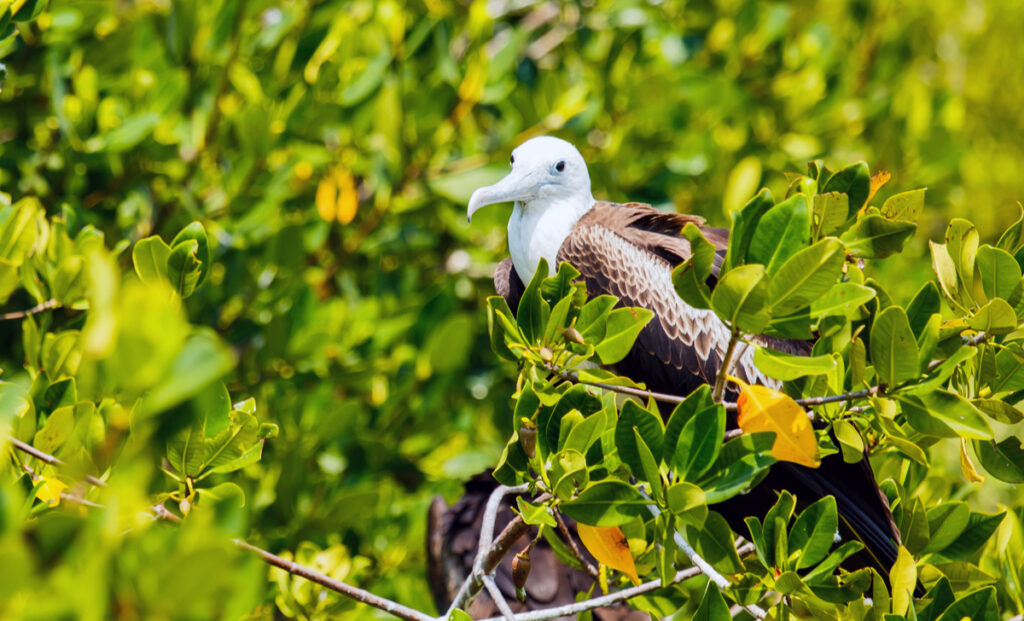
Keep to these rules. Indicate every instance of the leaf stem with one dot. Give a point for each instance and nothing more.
(723, 369)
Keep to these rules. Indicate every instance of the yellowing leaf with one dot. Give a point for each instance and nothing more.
(879, 179)
(50, 491)
(326, 195)
(348, 197)
(967, 466)
(337, 197)
(763, 409)
(609, 547)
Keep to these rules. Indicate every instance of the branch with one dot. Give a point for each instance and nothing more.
(723, 370)
(49, 459)
(705, 568)
(38, 308)
(611, 598)
(488, 556)
(394, 608)
(590, 569)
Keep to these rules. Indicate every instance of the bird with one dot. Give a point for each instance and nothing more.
(629, 250)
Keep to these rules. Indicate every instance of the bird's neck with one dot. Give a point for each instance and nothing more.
(538, 229)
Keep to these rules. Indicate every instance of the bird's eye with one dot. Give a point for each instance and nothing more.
(511, 160)
(560, 166)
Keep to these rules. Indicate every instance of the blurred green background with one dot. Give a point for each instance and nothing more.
(329, 148)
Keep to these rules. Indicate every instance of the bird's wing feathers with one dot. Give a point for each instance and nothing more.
(629, 251)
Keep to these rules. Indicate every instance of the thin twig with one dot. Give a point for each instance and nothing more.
(611, 598)
(38, 308)
(487, 557)
(360, 595)
(49, 459)
(499, 598)
(721, 581)
(590, 569)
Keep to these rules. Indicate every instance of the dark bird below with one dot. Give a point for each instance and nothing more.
(629, 251)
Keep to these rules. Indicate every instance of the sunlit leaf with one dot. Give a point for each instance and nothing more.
(609, 547)
(764, 409)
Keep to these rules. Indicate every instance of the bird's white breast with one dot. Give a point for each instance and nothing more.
(536, 231)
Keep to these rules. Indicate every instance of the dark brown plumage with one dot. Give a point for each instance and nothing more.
(629, 251)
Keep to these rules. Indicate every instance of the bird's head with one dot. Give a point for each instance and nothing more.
(545, 171)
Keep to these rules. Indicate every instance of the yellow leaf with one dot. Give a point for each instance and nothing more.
(763, 409)
(326, 195)
(50, 491)
(879, 179)
(609, 547)
(903, 577)
(967, 466)
(348, 197)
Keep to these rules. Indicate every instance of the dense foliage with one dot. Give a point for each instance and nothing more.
(238, 214)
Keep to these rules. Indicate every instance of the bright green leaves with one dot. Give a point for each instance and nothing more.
(806, 276)
(782, 231)
(623, 326)
(184, 263)
(893, 347)
(741, 298)
(875, 237)
(803, 545)
(606, 503)
(689, 278)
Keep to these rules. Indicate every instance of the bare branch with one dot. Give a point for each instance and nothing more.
(723, 370)
(49, 459)
(360, 595)
(486, 556)
(38, 308)
(499, 599)
(756, 611)
(590, 569)
(611, 598)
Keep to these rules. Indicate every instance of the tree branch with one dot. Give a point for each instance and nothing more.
(723, 370)
(360, 595)
(38, 308)
(611, 598)
(49, 459)
(488, 557)
(590, 569)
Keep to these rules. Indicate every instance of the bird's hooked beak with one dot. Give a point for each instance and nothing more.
(518, 185)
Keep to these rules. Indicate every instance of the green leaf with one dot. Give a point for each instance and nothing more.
(606, 503)
(744, 224)
(962, 244)
(714, 542)
(584, 434)
(806, 276)
(1000, 274)
(850, 441)
(687, 502)
(697, 400)
(56, 431)
(945, 269)
(874, 237)
(1013, 237)
(150, 257)
(926, 303)
(30, 10)
(903, 578)
(624, 325)
(843, 298)
(61, 354)
(828, 213)
(741, 299)
(569, 473)
(649, 426)
(203, 359)
(783, 231)
(944, 414)
(699, 443)
(649, 471)
(774, 527)
(1004, 460)
(996, 317)
(853, 180)
(980, 527)
(904, 206)
(979, 605)
(786, 367)
(712, 606)
(184, 268)
(549, 422)
(828, 566)
(533, 312)
(689, 278)
(893, 347)
(535, 514)
(999, 410)
(501, 326)
(813, 531)
(18, 232)
(739, 461)
(593, 319)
